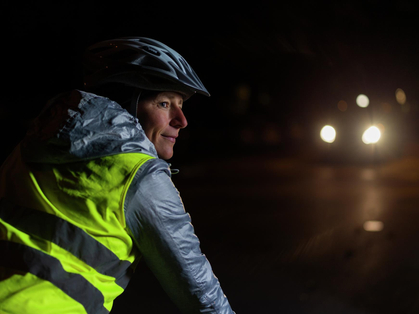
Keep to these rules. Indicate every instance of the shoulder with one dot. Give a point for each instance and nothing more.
(152, 180)
(154, 167)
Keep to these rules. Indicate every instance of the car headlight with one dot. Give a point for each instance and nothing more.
(328, 134)
(371, 135)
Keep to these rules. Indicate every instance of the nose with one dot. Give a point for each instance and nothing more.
(178, 118)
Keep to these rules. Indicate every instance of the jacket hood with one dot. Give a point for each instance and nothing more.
(78, 126)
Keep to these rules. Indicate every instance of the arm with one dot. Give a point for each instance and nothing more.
(163, 232)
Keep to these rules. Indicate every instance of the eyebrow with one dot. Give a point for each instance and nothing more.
(171, 97)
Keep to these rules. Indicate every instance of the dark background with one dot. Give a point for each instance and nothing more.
(276, 72)
(273, 68)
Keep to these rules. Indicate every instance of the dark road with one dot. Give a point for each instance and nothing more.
(291, 236)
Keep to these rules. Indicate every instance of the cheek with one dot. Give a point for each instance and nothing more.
(153, 125)
(159, 122)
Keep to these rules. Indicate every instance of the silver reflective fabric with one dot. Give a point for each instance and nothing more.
(79, 126)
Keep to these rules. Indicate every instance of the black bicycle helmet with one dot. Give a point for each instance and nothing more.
(142, 63)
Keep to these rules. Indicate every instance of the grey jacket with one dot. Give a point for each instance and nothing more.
(80, 126)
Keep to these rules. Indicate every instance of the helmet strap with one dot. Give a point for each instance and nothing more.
(134, 102)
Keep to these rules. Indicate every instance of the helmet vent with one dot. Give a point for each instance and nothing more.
(151, 50)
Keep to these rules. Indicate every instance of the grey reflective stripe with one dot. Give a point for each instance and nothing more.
(27, 259)
(71, 238)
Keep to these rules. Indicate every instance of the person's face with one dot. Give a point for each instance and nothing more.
(161, 117)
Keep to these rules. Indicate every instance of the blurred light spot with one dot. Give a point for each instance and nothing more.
(362, 101)
(342, 105)
(271, 135)
(242, 103)
(325, 173)
(328, 134)
(371, 135)
(386, 107)
(381, 127)
(400, 96)
(373, 225)
(368, 174)
(243, 92)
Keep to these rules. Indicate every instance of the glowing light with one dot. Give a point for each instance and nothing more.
(371, 135)
(362, 101)
(400, 96)
(328, 134)
(373, 225)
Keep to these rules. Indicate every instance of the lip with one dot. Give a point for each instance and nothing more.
(170, 138)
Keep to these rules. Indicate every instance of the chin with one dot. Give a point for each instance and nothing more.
(165, 155)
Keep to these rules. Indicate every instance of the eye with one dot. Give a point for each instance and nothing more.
(164, 104)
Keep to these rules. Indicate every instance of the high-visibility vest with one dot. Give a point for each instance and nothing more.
(64, 245)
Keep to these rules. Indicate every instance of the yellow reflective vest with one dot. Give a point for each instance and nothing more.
(62, 228)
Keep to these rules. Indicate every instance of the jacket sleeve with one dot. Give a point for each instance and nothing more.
(163, 233)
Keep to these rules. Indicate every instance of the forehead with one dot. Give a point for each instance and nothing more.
(170, 95)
